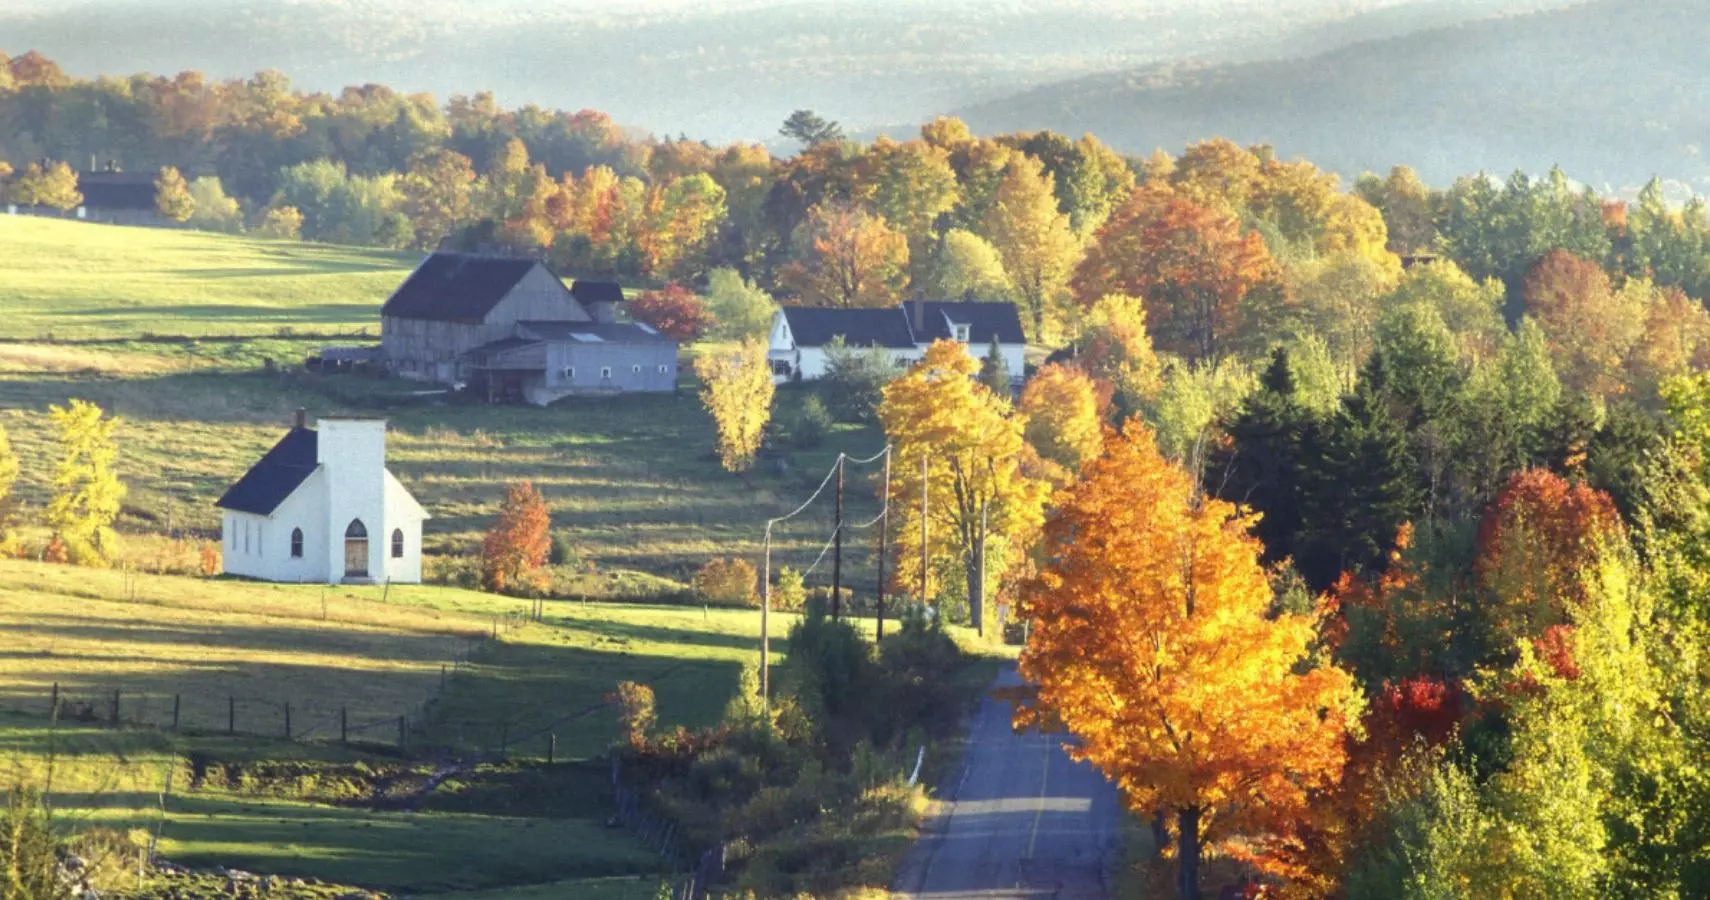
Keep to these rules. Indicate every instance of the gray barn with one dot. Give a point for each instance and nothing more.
(510, 328)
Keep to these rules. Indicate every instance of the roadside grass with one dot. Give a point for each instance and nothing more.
(77, 280)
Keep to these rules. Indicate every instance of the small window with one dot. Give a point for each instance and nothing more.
(605, 371)
(397, 543)
(296, 543)
(246, 537)
(635, 370)
(569, 372)
(664, 369)
(962, 333)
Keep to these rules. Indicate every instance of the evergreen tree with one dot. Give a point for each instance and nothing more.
(994, 371)
(1361, 491)
(1266, 460)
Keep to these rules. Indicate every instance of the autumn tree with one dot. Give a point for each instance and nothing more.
(1208, 283)
(682, 216)
(848, 258)
(1339, 296)
(1153, 641)
(518, 542)
(737, 390)
(54, 186)
(1674, 341)
(87, 493)
(1036, 244)
(674, 310)
(281, 222)
(1115, 349)
(910, 185)
(172, 196)
(636, 710)
(1589, 324)
(438, 190)
(1063, 423)
(739, 308)
(980, 507)
(1472, 311)
(211, 208)
(966, 266)
(1536, 538)
(8, 479)
(1405, 202)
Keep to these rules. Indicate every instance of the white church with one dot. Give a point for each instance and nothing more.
(322, 507)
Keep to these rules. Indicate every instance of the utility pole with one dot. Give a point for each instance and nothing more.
(765, 632)
(837, 548)
(923, 528)
(884, 540)
(979, 599)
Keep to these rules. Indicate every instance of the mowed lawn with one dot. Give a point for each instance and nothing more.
(69, 279)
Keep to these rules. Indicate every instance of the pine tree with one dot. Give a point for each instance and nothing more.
(1359, 494)
(994, 371)
(1267, 457)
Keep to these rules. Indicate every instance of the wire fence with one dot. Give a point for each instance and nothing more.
(203, 711)
(699, 872)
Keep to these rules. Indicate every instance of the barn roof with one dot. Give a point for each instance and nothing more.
(595, 332)
(587, 292)
(456, 287)
(117, 190)
(815, 327)
(985, 321)
(275, 476)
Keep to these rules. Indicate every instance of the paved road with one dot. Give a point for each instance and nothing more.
(1023, 821)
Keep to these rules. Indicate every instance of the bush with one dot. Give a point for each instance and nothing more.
(728, 582)
(790, 593)
(830, 664)
(636, 712)
(854, 381)
(29, 850)
(211, 562)
(563, 553)
(810, 424)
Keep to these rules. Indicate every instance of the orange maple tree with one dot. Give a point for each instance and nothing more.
(1154, 644)
(1063, 423)
(674, 310)
(1200, 271)
(517, 543)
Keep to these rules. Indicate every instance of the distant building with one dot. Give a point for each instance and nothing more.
(801, 334)
(120, 198)
(509, 328)
(321, 507)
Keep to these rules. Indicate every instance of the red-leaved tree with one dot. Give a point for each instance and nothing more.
(674, 310)
(517, 543)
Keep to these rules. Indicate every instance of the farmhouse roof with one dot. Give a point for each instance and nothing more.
(117, 190)
(984, 321)
(587, 292)
(816, 326)
(594, 332)
(275, 476)
(456, 287)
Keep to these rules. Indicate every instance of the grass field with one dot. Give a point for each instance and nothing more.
(76, 280)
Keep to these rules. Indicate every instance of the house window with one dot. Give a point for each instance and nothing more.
(664, 369)
(635, 370)
(397, 543)
(779, 367)
(962, 333)
(296, 543)
(606, 372)
(355, 550)
(245, 537)
(569, 373)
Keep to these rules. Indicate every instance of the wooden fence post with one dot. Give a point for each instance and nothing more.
(343, 725)
(287, 720)
(551, 747)
(231, 714)
(400, 732)
(54, 707)
(177, 700)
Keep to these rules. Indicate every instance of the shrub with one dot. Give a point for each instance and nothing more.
(854, 381)
(563, 553)
(829, 665)
(211, 562)
(727, 582)
(637, 713)
(810, 425)
(283, 222)
(29, 850)
(790, 593)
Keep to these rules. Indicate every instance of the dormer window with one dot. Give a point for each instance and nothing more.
(962, 333)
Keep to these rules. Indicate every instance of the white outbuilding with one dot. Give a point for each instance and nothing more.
(321, 507)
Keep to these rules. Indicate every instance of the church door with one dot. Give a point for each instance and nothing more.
(356, 550)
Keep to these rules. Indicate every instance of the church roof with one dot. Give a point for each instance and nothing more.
(275, 476)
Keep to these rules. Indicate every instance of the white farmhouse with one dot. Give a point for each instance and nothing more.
(321, 507)
(800, 334)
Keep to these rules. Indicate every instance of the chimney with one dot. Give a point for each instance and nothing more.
(302, 417)
(919, 313)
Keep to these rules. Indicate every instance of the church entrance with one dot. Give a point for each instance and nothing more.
(356, 550)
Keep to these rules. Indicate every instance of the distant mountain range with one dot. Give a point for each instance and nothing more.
(715, 69)
(1615, 91)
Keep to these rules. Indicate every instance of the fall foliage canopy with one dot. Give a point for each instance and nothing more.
(737, 390)
(518, 542)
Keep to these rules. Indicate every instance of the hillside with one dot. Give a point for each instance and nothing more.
(1610, 90)
(721, 70)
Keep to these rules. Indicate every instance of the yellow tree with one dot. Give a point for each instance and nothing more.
(980, 509)
(8, 478)
(172, 196)
(1038, 247)
(1063, 422)
(737, 389)
(849, 258)
(1153, 642)
(86, 491)
(1115, 349)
